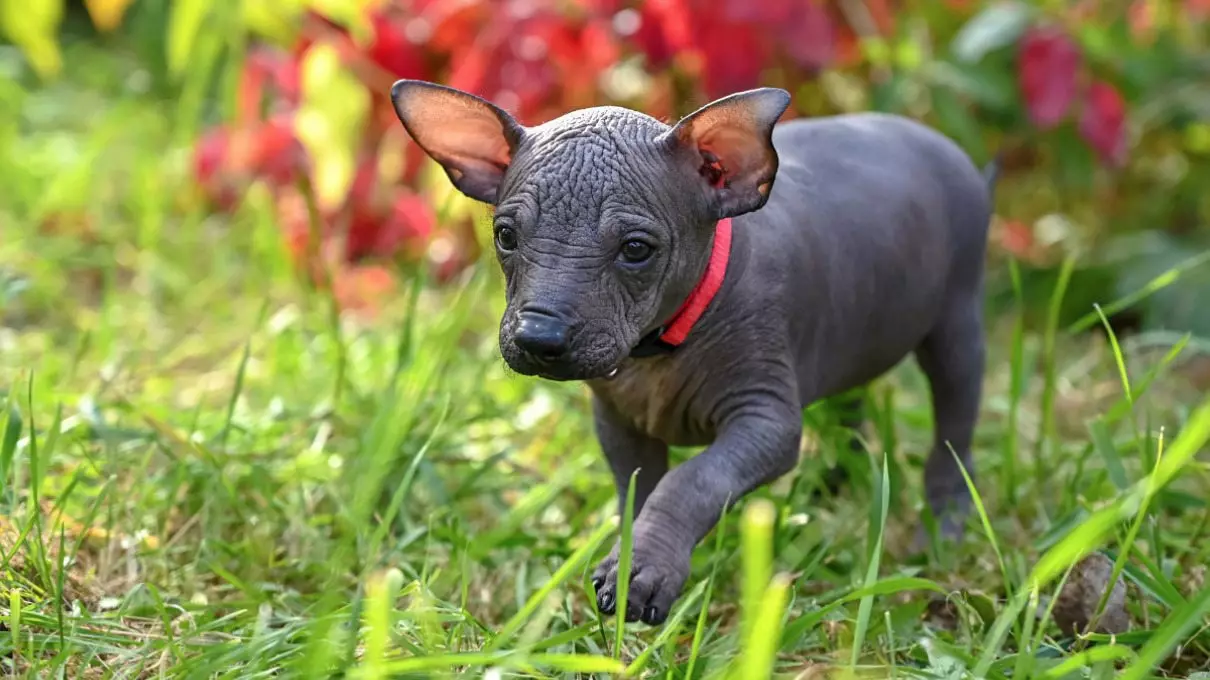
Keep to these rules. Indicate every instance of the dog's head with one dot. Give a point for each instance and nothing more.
(603, 217)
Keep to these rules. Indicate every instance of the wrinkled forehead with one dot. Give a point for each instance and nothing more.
(583, 164)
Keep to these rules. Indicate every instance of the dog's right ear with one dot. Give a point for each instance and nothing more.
(472, 139)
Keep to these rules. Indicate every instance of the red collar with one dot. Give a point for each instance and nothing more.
(670, 335)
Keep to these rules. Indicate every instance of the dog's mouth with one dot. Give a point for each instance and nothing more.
(572, 374)
(565, 370)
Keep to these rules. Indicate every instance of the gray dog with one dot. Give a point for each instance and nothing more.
(705, 307)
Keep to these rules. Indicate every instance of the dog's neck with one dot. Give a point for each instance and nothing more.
(673, 332)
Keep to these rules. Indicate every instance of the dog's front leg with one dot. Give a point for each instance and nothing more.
(627, 450)
(754, 446)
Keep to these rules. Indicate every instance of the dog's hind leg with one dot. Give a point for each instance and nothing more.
(952, 357)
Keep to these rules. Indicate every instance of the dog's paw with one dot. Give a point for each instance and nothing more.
(950, 515)
(656, 580)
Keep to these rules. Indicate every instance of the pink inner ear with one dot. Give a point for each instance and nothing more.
(452, 128)
(727, 152)
(712, 169)
(472, 138)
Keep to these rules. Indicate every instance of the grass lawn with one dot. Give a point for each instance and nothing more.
(204, 475)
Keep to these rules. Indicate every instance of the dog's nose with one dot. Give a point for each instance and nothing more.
(541, 334)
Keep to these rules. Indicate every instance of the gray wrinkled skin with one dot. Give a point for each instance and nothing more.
(866, 249)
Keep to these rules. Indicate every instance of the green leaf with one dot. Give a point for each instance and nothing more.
(958, 122)
(995, 27)
(183, 27)
(33, 26)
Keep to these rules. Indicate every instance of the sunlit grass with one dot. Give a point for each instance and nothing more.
(207, 474)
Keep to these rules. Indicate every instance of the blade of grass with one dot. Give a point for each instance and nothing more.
(1046, 424)
(1095, 655)
(565, 572)
(1016, 388)
(760, 654)
(987, 524)
(1103, 444)
(889, 586)
(756, 546)
(1123, 407)
(380, 599)
(8, 452)
(670, 628)
(625, 553)
(1158, 283)
(695, 649)
(993, 641)
(1169, 635)
(236, 390)
(882, 491)
(1127, 544)
(15, 606)
(1091, 533)
(1023, 666)
(569, 663)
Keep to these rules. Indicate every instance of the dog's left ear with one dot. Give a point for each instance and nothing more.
(730, 143)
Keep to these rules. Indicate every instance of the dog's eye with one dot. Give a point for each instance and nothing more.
(506, 238)
(636, 251)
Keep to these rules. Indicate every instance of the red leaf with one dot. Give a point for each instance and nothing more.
(663, 29)
(211, 157)
(1047, 65)
(277, 155)
(210, 154)
(1103, 122)
(734, 55)
(770, 12)
(455, 26)
(807, 35)
(1197, 10)
(391, 47)
(1017, 238)
(402, 231)
(599, 46)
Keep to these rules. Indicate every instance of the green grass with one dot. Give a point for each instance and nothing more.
(204, 476)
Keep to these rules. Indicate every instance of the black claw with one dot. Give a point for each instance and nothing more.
(605, 603)
(651, 615)
(597, 583)
(632, 613)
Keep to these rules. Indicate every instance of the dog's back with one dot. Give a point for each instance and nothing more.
(877, 222)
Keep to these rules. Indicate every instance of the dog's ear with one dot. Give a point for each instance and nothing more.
(730, 144)
(472, 139)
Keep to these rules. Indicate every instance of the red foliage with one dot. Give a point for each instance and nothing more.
(1103, 122)
(1047, 67)
(539, 59)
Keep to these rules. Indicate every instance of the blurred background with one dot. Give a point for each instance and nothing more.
(248, 330)
(1102, 110)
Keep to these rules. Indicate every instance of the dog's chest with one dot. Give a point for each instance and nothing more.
(662, 400)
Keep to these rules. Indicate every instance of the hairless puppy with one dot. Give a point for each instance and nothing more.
(706, 305)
